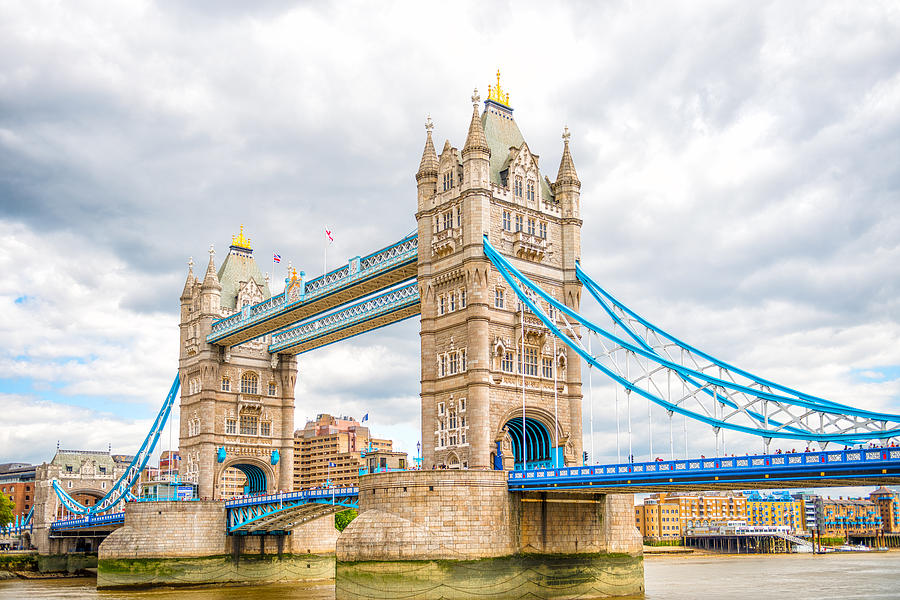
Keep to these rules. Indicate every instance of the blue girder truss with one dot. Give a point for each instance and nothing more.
(859, 466)
(121, 490)
(89, 522)
(712, 392)
(366, 315)
(399, 258)
(282, 512)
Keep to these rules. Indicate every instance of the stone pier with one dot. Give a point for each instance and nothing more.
(184, 543)
(458, 534)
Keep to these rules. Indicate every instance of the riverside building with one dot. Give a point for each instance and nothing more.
(332, 449)
(17, 483)
(668, 515)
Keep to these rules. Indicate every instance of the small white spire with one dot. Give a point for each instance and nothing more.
(212, 251)
(475, 97)
(566, 135)
(190, 263)
(429, 124)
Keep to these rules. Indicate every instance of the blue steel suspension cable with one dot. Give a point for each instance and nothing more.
(127, 480)
(507, 270)
(595, 288)
(839, 410)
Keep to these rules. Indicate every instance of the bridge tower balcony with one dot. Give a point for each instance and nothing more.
(529, 246)
(446, 241)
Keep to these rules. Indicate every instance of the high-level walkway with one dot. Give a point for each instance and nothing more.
(362, 276)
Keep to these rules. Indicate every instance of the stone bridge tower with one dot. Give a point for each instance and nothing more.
(237, 403)
(476, 341)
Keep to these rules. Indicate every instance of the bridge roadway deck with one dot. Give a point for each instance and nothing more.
(836, 468)
(370, 274)
(284, 511)
(81, 525)
(370, 314)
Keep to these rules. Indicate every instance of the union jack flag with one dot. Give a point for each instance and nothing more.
(328, 235)
(276, 257)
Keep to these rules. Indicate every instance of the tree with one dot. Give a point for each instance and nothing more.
(343, 518)
(6, 510)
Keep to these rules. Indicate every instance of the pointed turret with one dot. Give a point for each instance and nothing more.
(211, 280)
(189, 283)
(427, 176)
(567, 172)
(476, 154)
(211, 289)
(428, 166)
(475, 140)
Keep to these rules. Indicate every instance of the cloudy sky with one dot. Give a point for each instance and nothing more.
(739, 163)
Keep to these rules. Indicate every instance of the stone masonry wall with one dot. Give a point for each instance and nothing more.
(465, 515)
(422, 515)
(168, 529)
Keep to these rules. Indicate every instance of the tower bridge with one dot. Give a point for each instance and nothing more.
(493, 271)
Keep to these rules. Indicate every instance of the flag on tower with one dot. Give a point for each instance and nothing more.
(328, 235)
(276, 257)
(365, 418)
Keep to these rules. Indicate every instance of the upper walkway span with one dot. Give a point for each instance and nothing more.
(303, 299)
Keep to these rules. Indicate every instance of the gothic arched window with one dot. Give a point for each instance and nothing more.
(518, 187)
(249, 383)
(530, 191)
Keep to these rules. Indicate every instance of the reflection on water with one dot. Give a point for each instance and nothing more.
(793, 577)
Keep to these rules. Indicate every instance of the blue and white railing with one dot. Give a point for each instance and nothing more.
(305, 495)
(363, 311)
(88, 522)
(869, 461)
(358, 269)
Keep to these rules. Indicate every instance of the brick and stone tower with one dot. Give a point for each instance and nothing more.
(237, 403)
(475, 340)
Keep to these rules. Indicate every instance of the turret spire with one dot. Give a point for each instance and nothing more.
(428, 167)
(211, 280)
(475, 140)
(189, 282)
(567, 172)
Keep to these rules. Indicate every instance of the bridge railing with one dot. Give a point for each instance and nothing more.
(307, 495)
(91, 521)
(760, 462)
(356, 313)
(357, 269)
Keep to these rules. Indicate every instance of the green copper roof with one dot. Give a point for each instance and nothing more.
(502, 133)
(239, 266)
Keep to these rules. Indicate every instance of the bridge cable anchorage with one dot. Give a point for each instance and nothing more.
(742, 402)
(121, 490)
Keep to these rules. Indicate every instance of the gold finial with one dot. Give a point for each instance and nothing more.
(429, 124)
(240, 241)
(566, 135)
(475, 97)
(497, 94)
(293, 274)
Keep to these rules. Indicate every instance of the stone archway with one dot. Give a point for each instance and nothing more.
(260, 478)
(542, 448)
(87, 497)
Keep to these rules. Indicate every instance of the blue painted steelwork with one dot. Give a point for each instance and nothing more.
(538, 444)
(19, 526)
(396, 255)
(836, 467)
(256, 478)
(277, 512)
(88, 522)
(875, 426)
(132, 474)
(355, 314)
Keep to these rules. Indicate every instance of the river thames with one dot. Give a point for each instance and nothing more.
(792, 577)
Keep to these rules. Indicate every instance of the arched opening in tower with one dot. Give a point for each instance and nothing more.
(256, 478)
(538, 443)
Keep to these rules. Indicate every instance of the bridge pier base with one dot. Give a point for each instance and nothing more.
(460, 534)
(185, 543)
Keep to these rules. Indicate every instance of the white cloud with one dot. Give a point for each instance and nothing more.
(739, 187)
